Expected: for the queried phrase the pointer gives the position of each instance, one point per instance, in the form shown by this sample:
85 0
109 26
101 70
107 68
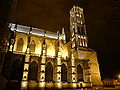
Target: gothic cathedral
41 58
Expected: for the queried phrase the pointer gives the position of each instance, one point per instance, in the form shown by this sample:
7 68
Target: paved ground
95 89
77 89
102 89
112 89
65 89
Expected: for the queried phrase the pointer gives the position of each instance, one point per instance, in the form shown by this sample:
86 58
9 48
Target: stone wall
51 45
93 63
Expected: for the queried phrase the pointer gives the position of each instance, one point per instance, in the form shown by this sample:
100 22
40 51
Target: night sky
102 20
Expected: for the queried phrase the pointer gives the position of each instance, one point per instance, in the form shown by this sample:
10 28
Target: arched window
33 69
16 70
20 44
78 28
49 72
32 47
79 73
82 30
63 73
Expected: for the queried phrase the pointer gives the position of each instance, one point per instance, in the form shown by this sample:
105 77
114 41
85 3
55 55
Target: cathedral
41 58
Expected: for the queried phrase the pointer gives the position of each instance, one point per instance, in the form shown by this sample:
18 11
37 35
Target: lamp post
119 77
118 83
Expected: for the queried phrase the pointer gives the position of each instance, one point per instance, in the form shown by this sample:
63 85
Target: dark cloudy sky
102 20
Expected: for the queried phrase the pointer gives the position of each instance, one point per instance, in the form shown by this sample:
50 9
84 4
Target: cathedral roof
35 31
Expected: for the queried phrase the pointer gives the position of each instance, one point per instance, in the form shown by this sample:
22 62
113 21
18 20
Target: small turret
63 36
44 44
29 38
12 39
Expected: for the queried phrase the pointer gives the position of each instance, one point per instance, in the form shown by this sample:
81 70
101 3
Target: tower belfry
77 27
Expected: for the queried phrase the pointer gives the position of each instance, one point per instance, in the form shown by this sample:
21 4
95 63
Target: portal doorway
49 72
16 70
14 82
63 73
79 73
33 70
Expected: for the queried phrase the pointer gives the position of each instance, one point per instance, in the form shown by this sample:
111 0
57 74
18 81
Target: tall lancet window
49 72
33 70
78 30
79 73
20 44
32 47
82 29
63 73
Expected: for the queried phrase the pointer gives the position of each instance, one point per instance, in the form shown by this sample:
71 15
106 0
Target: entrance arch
49 72
14 82
33 70
63 73
79 73
16 70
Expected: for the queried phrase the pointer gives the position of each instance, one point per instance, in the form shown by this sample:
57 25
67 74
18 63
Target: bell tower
77 28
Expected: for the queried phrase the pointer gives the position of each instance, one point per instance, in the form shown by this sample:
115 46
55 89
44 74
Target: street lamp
118 77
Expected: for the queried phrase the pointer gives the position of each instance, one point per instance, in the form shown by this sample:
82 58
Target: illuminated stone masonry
48 61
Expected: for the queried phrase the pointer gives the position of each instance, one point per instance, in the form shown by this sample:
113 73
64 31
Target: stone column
73 71
42 72
81 41
76 35
24 82
87 76
85 41
42 65
58 69
58 66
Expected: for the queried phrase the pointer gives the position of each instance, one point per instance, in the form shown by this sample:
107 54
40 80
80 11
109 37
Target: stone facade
40 58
